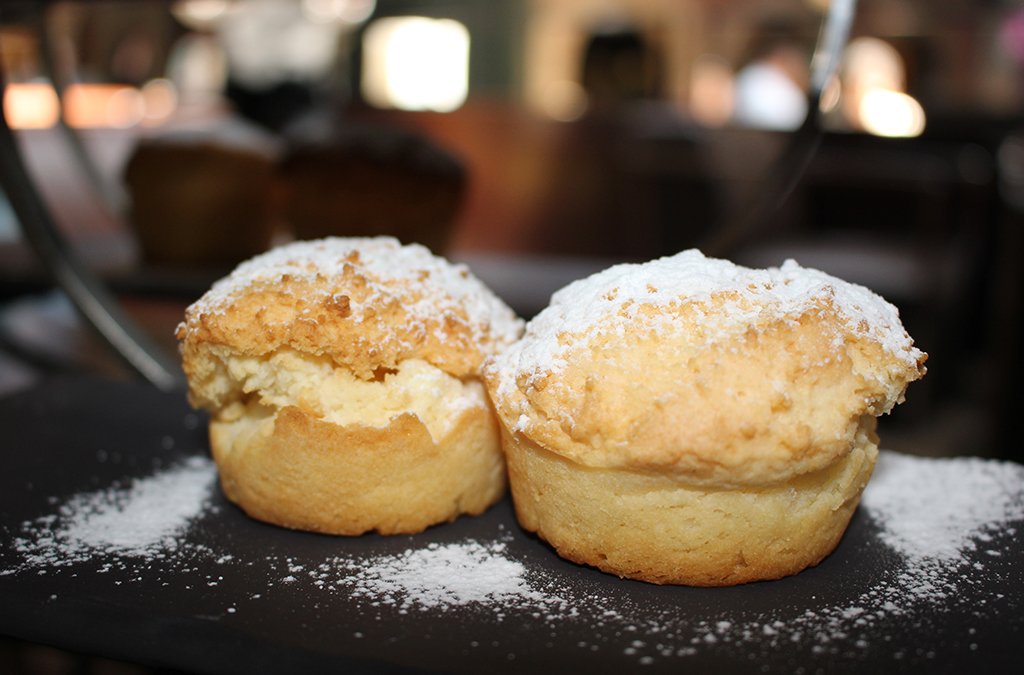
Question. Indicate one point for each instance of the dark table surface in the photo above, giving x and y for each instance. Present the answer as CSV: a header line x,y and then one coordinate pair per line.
x,y
229,594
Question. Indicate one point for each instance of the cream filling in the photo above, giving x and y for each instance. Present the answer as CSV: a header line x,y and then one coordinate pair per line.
x,y
287,378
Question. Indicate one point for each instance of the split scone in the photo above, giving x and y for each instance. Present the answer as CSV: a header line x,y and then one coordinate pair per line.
x,y
691,421
342,378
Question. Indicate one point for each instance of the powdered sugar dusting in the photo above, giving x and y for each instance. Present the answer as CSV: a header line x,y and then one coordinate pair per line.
x,y
149,517
940,509
439,284
440,576
938,530
614,301
443,576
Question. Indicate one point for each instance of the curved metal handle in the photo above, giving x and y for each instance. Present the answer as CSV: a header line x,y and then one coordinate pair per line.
x,y
784,174
86,291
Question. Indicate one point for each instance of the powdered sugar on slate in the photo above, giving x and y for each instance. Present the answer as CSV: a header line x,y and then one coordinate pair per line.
x,y
147,518
938,510
442,577
939,520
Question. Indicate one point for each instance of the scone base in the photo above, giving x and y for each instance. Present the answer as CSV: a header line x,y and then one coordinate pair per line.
x,y
653,528
295,470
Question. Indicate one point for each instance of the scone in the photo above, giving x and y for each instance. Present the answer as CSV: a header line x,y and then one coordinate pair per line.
x,y
202,197
690,421
342,378
373,180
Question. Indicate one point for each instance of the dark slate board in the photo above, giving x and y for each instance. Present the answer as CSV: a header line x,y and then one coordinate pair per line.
x,y
72,436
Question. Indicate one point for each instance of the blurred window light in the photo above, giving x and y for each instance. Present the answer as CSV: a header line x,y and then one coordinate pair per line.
x,y
200,14
35,105
272,41
416,63
345,11
891,113
103,105
871,63
874,84
31,105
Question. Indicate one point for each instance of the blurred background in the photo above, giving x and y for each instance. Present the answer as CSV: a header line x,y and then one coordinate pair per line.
x,y
538,141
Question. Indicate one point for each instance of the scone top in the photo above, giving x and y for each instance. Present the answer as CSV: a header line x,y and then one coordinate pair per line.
x,y
366,303
704,369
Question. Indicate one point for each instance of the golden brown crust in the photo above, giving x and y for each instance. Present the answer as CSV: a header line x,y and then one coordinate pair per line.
x,y
778,400
297,471
647,526
365,303
314,317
